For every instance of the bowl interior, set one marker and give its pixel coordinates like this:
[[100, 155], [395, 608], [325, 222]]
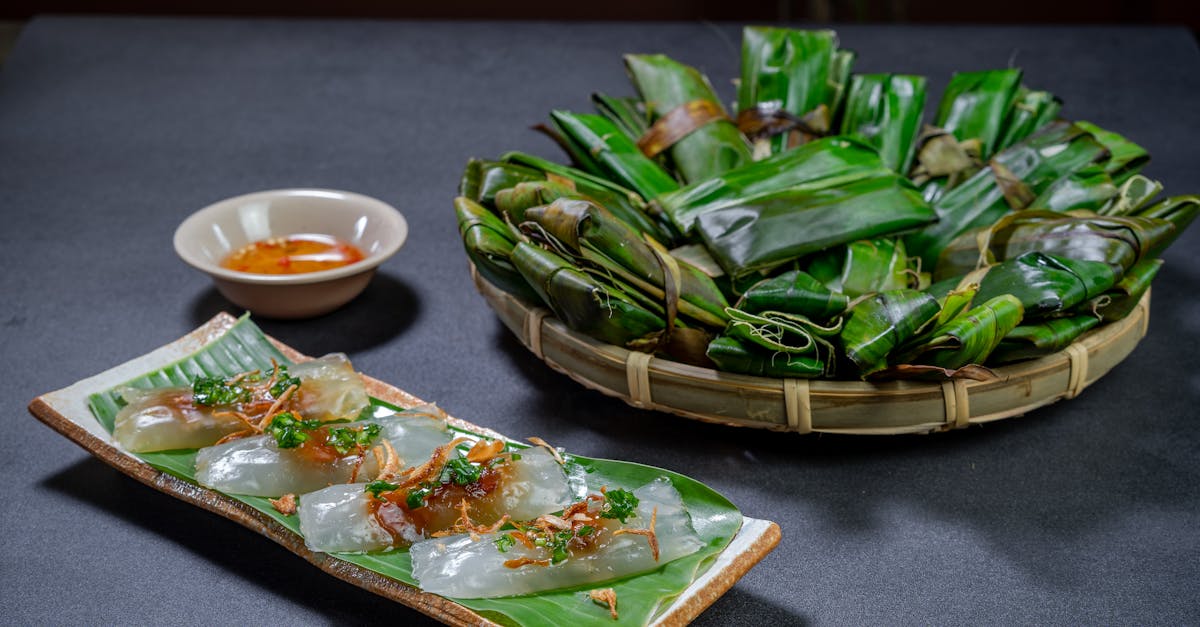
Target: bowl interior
[[209, 235]]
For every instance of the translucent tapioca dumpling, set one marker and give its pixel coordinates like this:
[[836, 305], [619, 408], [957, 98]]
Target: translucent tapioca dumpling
[[519, 485], [212, 408], [604, 537], [296, 455]]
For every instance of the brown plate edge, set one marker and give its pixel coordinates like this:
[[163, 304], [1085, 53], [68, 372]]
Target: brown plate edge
[[759, 536]]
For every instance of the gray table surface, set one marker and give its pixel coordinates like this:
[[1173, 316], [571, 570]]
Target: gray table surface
[[113, 130]]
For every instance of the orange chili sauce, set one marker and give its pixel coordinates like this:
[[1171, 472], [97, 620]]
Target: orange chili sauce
[[294, 254], [441, 507]]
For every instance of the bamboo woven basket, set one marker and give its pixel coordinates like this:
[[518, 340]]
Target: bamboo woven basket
[[803, 405]]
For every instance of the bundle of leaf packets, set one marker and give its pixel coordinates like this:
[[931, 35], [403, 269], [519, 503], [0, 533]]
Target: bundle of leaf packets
[[824, 229]]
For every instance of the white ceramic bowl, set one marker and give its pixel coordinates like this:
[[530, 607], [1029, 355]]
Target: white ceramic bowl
[[209, 235]]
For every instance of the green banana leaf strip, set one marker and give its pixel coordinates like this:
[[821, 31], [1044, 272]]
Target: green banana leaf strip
[[794, 292], [1056, 151], [714, 518], [782, 332], [1127, 157], [786, 69], [1044, 337], [975, 105], [1132, 197], [1047, 284], [884, 110], [971, 337], [1090, 189], [596, 236], [628, 114], [1124, 296], [824, 163], [616, 156], [1180, 211], [730, 355], [766, 232], [1030, 111], [483, 179], [621, 202], [582, 303], [880, 323], [840, 70], [489, 245], [864, 266], [955, 302], [1117, 241], [665, 84]]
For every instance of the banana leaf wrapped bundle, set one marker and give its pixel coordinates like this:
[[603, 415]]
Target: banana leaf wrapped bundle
[[1041, 338], [482, 180], [1031, 110], [1011, 181], [791, 85], [489, 244], [864, 267], [1115, 240], [794, 292], [1127, 158], [774, 343], [1045, 284], [884, 111], [689, 122], [1132, 196], [592, 234], [970, 337], [1118, 302], [829, 162], [881, 323], [1089, 189], [628, 114], [1180, 211], [762, 233]]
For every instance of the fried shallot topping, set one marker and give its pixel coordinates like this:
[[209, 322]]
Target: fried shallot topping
[[430, 470], [389, 465], [606, 596], [276, 406], [485, 451], [648, 532], [285, 504], [525, 561], [553, 451], [236, 436], [464, 524]]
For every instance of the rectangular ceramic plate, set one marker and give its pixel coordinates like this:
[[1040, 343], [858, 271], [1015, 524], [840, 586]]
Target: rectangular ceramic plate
[[67, 412]]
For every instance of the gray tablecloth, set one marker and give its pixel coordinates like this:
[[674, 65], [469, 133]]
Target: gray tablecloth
[[113, 130]]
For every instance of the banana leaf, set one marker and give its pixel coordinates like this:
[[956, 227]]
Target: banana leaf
[[828, 162], [1115, 240], [582, 303], [975, 106], [787, 70], [730, 355], [599, 142], [1011, 181], [970, 337], [884, 111], [1132, 196], [665, 85], [596, 236], [1031, 110], [1044, 337], [879, 324], [489, 244], [1118, 302], [1127, 157], [766, 232], [628, 114], [954, 302], [839, 80], [864, 266], [782, 332], [1046, 284], [483, 179], [1180, 211], [794, 292], [621, 202], [1090, 188]]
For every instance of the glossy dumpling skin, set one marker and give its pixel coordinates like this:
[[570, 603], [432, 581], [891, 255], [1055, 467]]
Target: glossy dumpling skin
[[166, 418], [461, 567], [339, 518], [256, 466]]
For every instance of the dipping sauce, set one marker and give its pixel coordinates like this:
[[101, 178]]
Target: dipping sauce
[[295, 254]]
